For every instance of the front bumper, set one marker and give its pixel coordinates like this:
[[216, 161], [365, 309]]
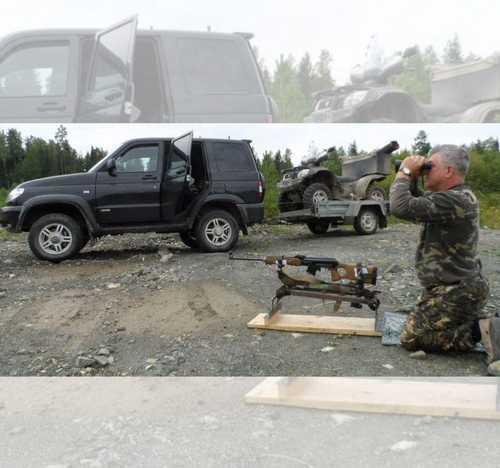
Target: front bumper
[[9, 216]]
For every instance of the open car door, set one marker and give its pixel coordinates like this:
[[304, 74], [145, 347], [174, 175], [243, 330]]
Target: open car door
[[109, 89], [177, 178]]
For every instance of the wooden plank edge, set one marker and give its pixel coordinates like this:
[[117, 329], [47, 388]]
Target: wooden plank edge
[[277, 323]]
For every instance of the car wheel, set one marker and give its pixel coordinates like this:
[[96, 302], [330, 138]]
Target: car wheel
[[315, 193], [55, 237], [217, 231], [318, 228], [188, 239], [366, 222], [375, 193]]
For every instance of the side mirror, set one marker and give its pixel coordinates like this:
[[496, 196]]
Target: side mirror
[[111, 166]]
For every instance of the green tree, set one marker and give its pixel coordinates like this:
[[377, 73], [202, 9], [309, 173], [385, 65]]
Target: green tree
[[305, 78], [452, 54], [322, 78], [286, 91], [430, 56], [353, 149], [272, 177], [421, 146], [415, 78]]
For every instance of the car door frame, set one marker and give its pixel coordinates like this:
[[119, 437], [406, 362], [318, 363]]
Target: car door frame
[[91, 102], [172, 189]]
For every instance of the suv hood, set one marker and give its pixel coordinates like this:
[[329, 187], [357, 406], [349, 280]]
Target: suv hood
[[62, 180]]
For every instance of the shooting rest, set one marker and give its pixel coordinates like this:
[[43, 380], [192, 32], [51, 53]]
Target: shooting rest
[[308, 285]]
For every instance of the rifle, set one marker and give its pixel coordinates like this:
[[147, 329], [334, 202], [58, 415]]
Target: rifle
[[348, 281]]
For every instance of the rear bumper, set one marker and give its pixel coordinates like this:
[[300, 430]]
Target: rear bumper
[[251, 213], [9, 216]]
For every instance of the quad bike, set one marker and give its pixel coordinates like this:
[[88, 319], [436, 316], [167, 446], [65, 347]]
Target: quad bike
[[310, 183], [465, 93]]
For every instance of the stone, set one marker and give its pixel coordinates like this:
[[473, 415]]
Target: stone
[[327, 349], [101, 361], [85, 361], [494, 369], [403, 445], [419, 355], [113, 285], [103, 352]]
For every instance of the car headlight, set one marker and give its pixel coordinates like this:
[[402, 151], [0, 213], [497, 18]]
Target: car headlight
[[355, 98], [17, 192], [302, 173]]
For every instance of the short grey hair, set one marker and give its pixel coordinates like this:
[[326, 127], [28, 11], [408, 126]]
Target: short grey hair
[[455, 156]]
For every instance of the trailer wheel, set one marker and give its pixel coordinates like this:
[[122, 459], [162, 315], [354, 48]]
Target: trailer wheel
[[319, 227], [366, 222]]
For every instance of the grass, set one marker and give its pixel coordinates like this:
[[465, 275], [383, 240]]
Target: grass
[[3, 196]]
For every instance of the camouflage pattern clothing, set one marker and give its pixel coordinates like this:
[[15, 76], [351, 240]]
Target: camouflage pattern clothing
[[447, 265]]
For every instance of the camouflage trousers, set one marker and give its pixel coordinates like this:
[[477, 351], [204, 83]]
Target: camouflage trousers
[[444, 317]]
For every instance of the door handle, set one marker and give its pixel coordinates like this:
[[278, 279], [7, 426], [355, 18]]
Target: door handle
[[51, 107], [149, 177]]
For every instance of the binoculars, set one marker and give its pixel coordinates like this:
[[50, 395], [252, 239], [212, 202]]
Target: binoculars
[[425, 167]]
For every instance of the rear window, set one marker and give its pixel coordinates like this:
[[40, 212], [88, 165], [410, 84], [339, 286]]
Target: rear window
[[216, 66], [232, 157]]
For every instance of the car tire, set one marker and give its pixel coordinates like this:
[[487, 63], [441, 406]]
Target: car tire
[[318, 228], [375, 193], [56, 237], [188, 238], [216, 231], [366, 222], [314, 193]]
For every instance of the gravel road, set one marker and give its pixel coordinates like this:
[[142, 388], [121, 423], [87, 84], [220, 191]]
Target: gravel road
[[147, 305]]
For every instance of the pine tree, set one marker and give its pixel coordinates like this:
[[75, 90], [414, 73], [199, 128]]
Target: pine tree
[[353, 149], [421, 146], [305, 78], [430, 56], [452, 54], [286, 91], [322, 78]]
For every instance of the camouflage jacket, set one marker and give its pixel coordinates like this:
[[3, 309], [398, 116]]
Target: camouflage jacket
[[447, 250]]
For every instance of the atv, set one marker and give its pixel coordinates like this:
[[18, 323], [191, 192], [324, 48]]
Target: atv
[[310, 183]]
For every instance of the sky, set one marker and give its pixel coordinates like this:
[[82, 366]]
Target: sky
[[297, 137], [286, 26]]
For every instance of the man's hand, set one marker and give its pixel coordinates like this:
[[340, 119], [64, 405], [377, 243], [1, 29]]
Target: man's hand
[[414, 164]]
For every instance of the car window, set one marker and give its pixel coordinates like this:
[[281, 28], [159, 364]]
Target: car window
[[35, 70], [139, 159], [177, 166], [232, 157], [220, 62]]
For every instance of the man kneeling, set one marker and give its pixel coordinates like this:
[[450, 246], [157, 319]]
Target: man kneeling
[[449, 315]]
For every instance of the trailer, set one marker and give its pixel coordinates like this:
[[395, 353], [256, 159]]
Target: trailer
[[367, 216]]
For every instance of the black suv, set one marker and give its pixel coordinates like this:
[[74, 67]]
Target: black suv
[[207, 190]]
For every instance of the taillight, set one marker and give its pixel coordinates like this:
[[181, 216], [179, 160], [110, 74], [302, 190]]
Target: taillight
[[260, 189]]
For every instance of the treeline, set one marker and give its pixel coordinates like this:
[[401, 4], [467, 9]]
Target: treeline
[[292, 82], [33, 158]]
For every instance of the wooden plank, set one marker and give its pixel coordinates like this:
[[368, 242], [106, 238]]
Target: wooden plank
[[399, 396], [316, 324]]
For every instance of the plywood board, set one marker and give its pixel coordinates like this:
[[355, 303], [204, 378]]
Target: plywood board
[[456, 399], [316, 324]]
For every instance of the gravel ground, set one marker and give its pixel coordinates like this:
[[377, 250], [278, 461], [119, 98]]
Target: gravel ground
[[204, 422], [147, 305]]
